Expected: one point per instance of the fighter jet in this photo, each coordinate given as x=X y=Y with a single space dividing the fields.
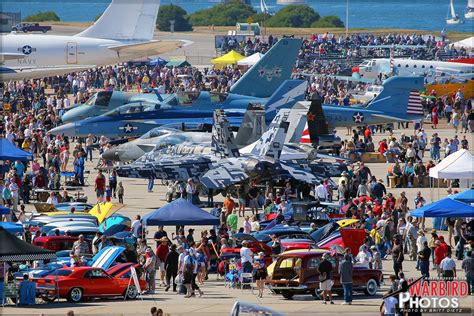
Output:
x=251 y=128
x=264 y=83
x=399 y=100
x=225 y=166
x=104 y=101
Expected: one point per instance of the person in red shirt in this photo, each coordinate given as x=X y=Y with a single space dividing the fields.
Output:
x=390 y=202
x=439 y=254
x=161 y=254
x=367 y=134
x=100 y=185
x=377 y=208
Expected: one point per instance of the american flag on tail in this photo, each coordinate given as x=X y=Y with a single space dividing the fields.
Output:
x=414 y=103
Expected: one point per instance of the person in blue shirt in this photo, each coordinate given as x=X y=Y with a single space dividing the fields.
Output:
x=79 y=167
x=20 y=168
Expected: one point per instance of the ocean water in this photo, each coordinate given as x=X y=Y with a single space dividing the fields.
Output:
x=410 y=14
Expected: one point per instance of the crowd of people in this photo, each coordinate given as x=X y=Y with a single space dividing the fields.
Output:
x=183 y=261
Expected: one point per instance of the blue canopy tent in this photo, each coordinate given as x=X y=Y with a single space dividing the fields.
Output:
x=466 y=196
x=444 y=208
x=157 y=62
x=8 y=151
x=179 y=212
x=12 y=228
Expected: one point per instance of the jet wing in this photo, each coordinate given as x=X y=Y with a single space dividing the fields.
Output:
x=150 y=48
x=224 y=176
x=11 y=56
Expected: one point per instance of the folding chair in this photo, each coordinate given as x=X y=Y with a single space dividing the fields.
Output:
x=245 y=279
x=87 y=173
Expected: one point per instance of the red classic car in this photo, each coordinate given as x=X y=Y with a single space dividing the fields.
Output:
x=57 y=243
x=77 y=283
x=296 y=272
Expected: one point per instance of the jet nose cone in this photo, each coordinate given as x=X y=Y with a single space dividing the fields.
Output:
x=65 y=130
x=110 y=154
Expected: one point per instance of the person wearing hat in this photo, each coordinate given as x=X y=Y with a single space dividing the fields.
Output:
x=150 y=269
x=161 y=252
x=80 y=247
x=325 y=282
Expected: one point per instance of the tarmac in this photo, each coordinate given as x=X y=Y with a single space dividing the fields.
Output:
x=218 y=299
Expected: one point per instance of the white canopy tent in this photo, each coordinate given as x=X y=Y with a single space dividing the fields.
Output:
x=250 y=60
x=467 y=43
x=459 y=165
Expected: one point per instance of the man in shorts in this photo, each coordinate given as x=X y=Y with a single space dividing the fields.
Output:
x=325 y=282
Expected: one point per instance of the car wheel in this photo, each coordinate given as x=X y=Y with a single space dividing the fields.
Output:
x=75 y=295
x=25 y=31
x=44 y=31
x=371 y=287
x=316 y=293
x=287 y=294
x=131 y=293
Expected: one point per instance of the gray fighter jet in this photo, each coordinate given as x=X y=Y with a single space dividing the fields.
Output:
x=225 y=166
x=251 y=128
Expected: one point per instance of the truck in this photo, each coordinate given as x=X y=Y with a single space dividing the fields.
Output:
x=31 y=27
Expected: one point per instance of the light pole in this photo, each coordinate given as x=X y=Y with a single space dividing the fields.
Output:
x=347 y=18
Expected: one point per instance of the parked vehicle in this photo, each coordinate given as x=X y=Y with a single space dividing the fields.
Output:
x=296 y=272
x=77 y=283
x=75 y=231
x=56 y=243
x=65 y=224
x=31 y=27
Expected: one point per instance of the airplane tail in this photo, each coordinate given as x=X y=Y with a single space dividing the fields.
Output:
x=272 y=141
x=252 y=126
x=222 y=140
x=289 y=92
x=263 y=78
x=400 y=98
x=316 y=123
x=126 y=20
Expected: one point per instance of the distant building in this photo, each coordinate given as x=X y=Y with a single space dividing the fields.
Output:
x=8 y=20
x=247 y=29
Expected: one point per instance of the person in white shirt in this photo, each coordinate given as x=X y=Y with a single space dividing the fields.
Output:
x=52 y=199
x=14 y=189
x=321 y=192
x=246 y=257
x=419 y=245
x=247 y=225
x=66 y=102
x=448 y=266
x=363 y=257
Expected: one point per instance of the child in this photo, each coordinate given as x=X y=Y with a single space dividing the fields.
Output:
x=120 y=192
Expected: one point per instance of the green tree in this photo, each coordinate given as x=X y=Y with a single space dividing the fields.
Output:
x=42 y=17
x=176 y=13
x=223 y=14
x=328 y=21
x=294 y=16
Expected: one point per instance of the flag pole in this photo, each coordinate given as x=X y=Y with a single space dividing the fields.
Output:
x=347 y=18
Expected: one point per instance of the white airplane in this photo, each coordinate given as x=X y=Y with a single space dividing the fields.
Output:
x=410 y=67
x=123 y=32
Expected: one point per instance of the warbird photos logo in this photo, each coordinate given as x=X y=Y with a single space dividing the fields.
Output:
x=434 y=296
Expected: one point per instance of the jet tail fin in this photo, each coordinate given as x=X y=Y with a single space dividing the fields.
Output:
x=272 y=141
x=290 y=92
x=252 y=127
x=222 y=140
x=316 y=123
x=126 y=20
x=263 y=78
x=400 y=98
